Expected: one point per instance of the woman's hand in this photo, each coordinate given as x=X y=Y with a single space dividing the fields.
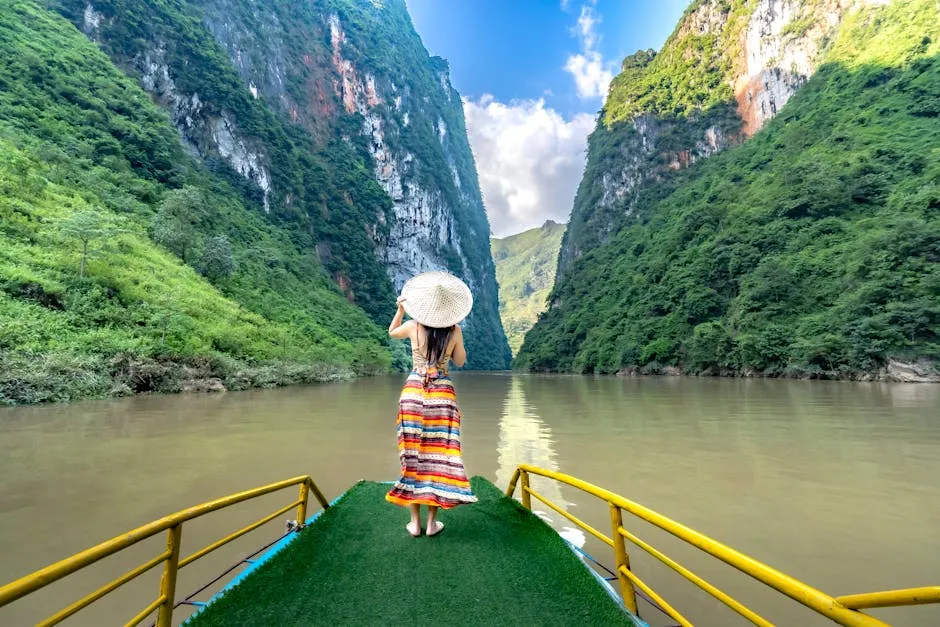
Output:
x=396 y=329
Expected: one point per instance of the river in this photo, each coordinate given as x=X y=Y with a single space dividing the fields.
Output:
x=833 y=483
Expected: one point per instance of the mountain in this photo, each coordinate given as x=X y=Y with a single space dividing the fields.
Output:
x=198 y=195
x=761 y=197
x=525 y=271
x=333 y=116
x=728 y=68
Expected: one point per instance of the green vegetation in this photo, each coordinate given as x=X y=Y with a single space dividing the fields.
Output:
x=88 y=227
x=514 y=569
x=620 y=149
x=693 y=73
x=100 y=214
x=811 y=250
x=660 y=112
x=525 y=271
x=127 y=265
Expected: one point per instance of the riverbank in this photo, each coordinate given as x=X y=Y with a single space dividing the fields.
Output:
x=54 y=378
x=894 y=371
x=49 y=378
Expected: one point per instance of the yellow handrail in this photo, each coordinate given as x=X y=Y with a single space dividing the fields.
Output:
x=892 y=598
x=842 y=610
x=170 y=558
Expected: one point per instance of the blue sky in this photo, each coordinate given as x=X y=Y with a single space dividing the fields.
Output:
x=517 y=49
x=533 y=75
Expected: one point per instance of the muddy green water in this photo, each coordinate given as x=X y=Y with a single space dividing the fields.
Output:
x=833 y=483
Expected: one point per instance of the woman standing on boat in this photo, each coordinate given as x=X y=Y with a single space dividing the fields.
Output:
x=432 y=471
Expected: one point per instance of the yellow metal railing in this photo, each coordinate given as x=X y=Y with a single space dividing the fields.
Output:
x=842 y=610
x=170 y=558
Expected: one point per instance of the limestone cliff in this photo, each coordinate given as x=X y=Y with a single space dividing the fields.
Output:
x=332 y=116
x=726 y=70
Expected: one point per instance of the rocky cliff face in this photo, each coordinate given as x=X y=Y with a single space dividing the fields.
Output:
x=412 y=120
x=301 y=104
x=727 y=69
x=207 y=130
x=424 y=225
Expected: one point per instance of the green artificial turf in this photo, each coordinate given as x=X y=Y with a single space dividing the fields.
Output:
x=494 y=564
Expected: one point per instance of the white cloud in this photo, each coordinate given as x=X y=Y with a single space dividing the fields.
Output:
x=592 y=75
x=586 y=23
x=529 y=159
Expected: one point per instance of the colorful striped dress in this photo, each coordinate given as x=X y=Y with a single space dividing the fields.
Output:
x=432 y=471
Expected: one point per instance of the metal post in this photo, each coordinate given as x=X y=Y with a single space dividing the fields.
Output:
x=620 y=550
x=526 y=499
x=512 y=484
x=302 y=508
x=168 y=581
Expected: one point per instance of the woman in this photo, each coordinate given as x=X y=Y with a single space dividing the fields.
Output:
x=432 y=471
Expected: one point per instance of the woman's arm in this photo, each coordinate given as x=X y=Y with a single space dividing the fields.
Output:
x=398 y=330
x=459 y=355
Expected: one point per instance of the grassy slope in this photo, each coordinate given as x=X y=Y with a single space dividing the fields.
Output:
x=812 y=249
x=525 y=271
x=76 y=134
x=495 y=563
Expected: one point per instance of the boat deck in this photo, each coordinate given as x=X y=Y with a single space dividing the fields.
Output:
x=495 y=563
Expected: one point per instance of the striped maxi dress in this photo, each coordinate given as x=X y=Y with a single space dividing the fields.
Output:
x=432 y=471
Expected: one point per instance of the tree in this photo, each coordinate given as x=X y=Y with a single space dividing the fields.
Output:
x=162 y=310
x=87 y=226
x=217 y=261
x=174 y=225
x=174 y=235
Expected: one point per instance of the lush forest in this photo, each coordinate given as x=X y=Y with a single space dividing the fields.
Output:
x=811 y=250
x=125 y=265
x=525 y=270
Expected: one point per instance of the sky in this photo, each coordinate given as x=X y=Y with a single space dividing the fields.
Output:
x=533 y=75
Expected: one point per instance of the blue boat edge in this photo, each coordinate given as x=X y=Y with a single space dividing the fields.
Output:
x=256 y=563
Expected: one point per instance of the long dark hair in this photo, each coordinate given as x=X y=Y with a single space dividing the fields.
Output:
x=435 y=342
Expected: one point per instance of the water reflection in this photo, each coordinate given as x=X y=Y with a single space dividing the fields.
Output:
x=524 y=439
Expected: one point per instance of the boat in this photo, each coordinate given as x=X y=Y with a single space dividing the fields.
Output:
x=496 y=562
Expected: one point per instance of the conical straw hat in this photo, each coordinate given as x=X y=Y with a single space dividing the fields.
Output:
x=437 y=299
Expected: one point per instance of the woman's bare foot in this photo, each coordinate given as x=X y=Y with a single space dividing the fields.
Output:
x=434 y=528
x=414 y=529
